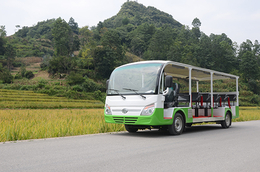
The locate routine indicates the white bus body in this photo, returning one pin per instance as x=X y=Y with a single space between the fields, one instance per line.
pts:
x=143 y=95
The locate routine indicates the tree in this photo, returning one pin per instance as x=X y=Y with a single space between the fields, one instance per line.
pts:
x=196 y=28
x=87 y=57
x=97 y=31
x=109 y=55
x=62 y=36
x=5 y=75
x=249 y=67
x=205 y=52
x=248 y=56
x=76 y=43
x=137 y=46
x=22 y=32
x=18 y=27
x=160 y=43
x=2 y=40
x=125 y=21
x=196 y=23
x=75 y=78
x=222 y=53
x=9 y=54
x=2 y=31
x=256 y=51
x=61 y=65
x=2 y=44
x=245 y=46
x=86 y=35
x=73 y=25
x=140 y=38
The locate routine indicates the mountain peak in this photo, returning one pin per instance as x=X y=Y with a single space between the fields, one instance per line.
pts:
x=135 y=13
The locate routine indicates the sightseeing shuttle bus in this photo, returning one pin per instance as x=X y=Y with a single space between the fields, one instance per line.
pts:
x=169 y=95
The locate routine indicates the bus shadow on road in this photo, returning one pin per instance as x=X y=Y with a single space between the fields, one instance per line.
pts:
x=164 y=133
x=202 y=128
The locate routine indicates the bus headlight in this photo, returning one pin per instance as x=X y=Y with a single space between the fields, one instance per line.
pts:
x=148 y=110
x=108 y=110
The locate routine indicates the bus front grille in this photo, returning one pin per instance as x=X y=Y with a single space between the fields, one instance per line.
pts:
x=125 y=120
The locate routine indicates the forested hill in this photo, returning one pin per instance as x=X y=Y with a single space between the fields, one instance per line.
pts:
x=136 y=14
x=135 y=33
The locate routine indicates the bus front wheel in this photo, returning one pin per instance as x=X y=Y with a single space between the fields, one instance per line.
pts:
x=177 y=126
x=130 y=128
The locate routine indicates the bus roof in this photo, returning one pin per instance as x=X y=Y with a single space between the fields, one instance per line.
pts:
x=181 y=70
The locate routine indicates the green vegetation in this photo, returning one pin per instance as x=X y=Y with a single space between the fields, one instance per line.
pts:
x=83 y=58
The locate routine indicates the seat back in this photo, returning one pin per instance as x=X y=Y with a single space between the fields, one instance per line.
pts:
x=171 y=98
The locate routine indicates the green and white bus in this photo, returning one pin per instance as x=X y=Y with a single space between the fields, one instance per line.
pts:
x=169 y=95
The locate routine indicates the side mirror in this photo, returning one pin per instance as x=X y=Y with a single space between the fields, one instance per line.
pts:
x=168 y=81
x=107 y=84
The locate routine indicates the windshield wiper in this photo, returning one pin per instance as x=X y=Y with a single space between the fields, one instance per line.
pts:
x=111 y=89
x=135 y=92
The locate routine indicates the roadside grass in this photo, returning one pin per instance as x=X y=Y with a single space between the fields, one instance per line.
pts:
x=46 y=123
x=248 y=114
x=26 y=124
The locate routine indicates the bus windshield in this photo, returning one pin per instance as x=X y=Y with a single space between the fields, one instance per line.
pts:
x=134 y=79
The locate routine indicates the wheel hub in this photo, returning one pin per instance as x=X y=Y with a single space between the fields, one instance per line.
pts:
x=178 y=124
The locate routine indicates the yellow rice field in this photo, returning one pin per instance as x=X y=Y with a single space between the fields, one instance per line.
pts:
x=248 y=114
x=24 y=124
x=27 y=124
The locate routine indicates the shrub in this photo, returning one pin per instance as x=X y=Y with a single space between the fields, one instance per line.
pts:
x=75 y=78
x=90 y=86
x=51 y=92
x=77 y=88
x=255 y=99
x=22 y=71
x=43 y=66
x=29 y=74
x=41 y=83
x=17 y=64
x=98 y=96
x=72 y=94
x=24 y=87
x=254 y=86
x=6 y=76
x=18 y=76
x=59 y=87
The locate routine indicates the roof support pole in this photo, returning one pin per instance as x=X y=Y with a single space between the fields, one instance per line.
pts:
x=237 y=91
x=190 y=86
x=197 y=86
x=211 y=92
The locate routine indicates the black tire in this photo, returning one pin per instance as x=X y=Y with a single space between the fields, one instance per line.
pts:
x=177 y=126
x=130 y=128
x=227 y=122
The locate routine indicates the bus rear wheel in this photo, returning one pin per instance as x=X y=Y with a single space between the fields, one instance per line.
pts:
x=227 y=122
x=177 y=126
x=130 y=128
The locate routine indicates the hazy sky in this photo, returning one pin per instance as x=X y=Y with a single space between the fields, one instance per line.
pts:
x=239 y=19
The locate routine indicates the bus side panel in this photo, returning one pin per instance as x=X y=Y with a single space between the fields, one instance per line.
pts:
x=235 y=112
x=187 y=114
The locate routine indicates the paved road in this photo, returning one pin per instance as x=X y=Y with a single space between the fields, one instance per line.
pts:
x=200 y=148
